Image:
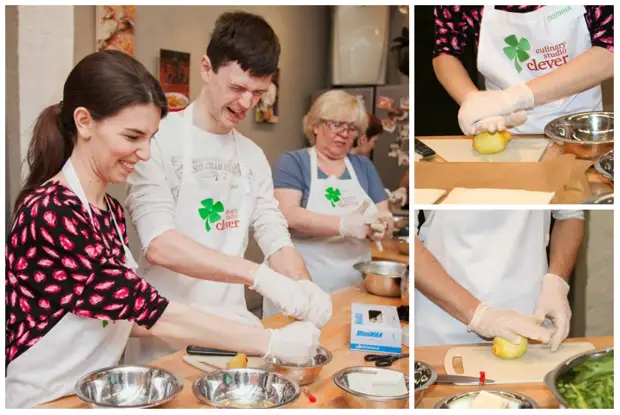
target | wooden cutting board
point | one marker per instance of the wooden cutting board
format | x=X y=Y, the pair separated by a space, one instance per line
x=460 y=150
x=220 y=361
x=529 y=368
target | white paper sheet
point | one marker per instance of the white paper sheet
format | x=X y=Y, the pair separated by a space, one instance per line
x=462 y=196
x=427 y=196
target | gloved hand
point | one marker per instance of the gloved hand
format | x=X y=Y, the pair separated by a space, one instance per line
x=500 y=122
x=552 y=303
x=479 y=105
x=320 y=311
x=295 y=343
x=354 y=225
x=490 y=322
x=283 y=292
x=398 y=195
x=378 y=223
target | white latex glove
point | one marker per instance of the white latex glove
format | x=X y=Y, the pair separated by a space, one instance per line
x=354 y=225
x=490 y=322
x=553 y=304
x=479 y=105
x=398 y=195
x=296 y=343
x=500 y=122
x=320 y=311
x=283 y=292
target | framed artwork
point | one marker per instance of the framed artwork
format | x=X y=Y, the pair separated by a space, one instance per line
x=115 y=28
x=267 y=108
x=174 y=78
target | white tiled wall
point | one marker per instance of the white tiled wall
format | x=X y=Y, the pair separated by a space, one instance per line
x=45 y=54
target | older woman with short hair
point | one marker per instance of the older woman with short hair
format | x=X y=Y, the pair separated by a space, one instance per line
x=334 y=202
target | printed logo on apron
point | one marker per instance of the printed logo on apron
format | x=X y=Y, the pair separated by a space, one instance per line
x=210 y=213
x=549 y=56
x=333 y=195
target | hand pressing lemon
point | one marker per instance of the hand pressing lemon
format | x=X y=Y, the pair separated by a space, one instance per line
x=506 y=350
x=239 y=361
x=490 y=143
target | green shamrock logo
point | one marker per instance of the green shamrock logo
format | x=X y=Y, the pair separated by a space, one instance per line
x=210 y=212
x=333 y=195
x=104 y=323
x=516 y=50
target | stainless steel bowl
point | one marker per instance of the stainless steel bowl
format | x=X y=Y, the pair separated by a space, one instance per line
x=360 y=400
x=128 y=386
x=246 y=388
x=404 y=290
x=400 y=222
x=402 y=244
x=604 y=199
x=382 y=277
x=303 y=374
x=424 y=377
x=551 y=379
x=605 y=165
x=521 y=401
x=586 y=134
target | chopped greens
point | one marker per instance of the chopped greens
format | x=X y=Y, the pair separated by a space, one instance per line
x=590 y=384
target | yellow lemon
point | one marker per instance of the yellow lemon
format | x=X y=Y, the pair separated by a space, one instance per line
x=238 y=361
x=489 y=143
x=506 y=350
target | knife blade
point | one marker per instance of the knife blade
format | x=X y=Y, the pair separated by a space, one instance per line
x=207 y=351
x=459 y=379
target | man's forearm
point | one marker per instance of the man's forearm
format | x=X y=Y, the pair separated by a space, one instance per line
x=434 y=282
x=181 y=254
x=287 y=261
x=454 y=77
x=582 y=73
x=566 y=239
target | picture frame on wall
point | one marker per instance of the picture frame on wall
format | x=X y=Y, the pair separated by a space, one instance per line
x=267 y=108
x=174 y=67
x=115 y=28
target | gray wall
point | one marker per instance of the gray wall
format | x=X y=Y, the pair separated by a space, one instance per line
x=303 y=33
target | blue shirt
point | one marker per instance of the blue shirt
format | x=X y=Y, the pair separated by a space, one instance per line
x=293 y=172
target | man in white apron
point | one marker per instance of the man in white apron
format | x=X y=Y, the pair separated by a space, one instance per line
x=542 y=62
x=482 y=274
x=194 y=202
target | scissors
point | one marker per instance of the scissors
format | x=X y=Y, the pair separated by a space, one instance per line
x=384 y=360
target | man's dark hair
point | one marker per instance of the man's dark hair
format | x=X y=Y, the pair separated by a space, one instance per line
x=247 y=39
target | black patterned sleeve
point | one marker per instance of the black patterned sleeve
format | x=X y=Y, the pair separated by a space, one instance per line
x=600 y=20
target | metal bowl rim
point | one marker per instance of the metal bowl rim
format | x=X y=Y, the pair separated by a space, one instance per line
x=429 y=382
x=606 y=156
x=363 y=395
x=591 y=200
x=327 y=353
x=552 y=376
x=80 y=395
x=522 y=397
x=551 y=124
x=360 y=267
x=205 y=400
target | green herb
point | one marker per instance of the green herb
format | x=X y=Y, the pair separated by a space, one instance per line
x=590 y=384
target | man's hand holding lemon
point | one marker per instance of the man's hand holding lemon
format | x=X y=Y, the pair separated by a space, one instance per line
x=514 y=328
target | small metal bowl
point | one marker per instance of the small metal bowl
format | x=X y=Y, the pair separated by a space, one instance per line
x=522 y=401
x=128 y=386
x=246 y=389
x=587 y=135
x=303 y=374
x=424 y=377
x=382 y=278
x=402 y=244
x=400 y=222
x=404 y=290
x=360 y=400
x=551 y=379
x=605 y=165
x=604 y=199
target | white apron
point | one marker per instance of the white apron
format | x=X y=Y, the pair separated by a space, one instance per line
x=498 y=256
x=216 y=215
x=549 y=37
x=74 y=347
x=330 y=260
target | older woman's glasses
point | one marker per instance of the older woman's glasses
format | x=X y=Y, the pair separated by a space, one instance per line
x=340 y=127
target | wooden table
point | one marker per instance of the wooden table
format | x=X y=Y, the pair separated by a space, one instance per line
x=390 y=252
x=434 y=356
x=599 y=184
x=335 y=337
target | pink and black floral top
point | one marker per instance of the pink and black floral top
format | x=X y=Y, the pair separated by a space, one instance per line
x=58 y=263
x=457 y=25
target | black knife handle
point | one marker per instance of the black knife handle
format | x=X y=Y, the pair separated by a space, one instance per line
x=206 y=351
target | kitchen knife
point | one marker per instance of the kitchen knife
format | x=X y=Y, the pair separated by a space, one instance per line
x=459 y=379
x=207 y=351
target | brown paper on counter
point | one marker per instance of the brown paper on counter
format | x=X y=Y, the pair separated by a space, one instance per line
x=564 y=175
